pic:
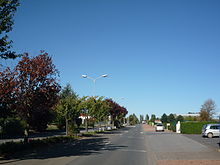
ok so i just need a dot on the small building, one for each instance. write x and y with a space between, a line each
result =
84 117
157 121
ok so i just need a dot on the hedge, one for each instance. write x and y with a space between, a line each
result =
192 127
12 127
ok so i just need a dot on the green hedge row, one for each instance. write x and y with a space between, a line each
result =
11 127
192 127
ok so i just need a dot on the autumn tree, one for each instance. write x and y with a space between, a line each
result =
7 11
8 86
117 112
207 110
37 90
203 115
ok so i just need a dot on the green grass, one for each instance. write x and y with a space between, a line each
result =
52 127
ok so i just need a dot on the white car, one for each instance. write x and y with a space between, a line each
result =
211 130
159 127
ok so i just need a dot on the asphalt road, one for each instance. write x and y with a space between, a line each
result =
124 146
211 142
139 145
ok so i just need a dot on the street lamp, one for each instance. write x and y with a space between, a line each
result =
94 79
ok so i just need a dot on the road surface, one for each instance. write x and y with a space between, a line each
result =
137 145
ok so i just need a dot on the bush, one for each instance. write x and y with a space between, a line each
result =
12 127
173 126
192 127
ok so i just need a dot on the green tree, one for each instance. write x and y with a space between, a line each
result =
97 108
69 108
7 11
180 118
164 118
60 117
171 118
133 119
141 118
153 118
146 117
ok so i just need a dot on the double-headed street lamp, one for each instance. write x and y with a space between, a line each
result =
94 80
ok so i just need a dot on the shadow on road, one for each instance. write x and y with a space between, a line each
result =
94 145
121 130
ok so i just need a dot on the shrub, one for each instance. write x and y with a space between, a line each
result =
173 126
192 127
12 127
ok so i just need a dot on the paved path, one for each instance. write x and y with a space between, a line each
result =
42 135
124 146
137 145
171 148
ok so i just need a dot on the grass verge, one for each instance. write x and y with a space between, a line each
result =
9 148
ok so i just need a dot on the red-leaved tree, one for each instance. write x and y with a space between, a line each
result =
37 90
116 111
7 92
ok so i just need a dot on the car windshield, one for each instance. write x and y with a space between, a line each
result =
204 127
159 124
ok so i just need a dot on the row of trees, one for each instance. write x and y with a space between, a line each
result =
31 93
99 109
206 114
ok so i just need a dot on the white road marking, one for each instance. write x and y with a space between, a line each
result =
133 150
131 137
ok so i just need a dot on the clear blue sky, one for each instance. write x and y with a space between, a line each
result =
161 56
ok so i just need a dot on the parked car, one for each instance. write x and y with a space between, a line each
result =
159 127
211 130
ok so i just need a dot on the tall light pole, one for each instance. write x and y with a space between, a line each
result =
94 80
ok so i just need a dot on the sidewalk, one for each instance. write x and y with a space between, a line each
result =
42 135
177 149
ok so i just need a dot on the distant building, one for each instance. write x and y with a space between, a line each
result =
157 121
189 114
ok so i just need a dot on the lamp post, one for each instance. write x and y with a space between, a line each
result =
94 80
